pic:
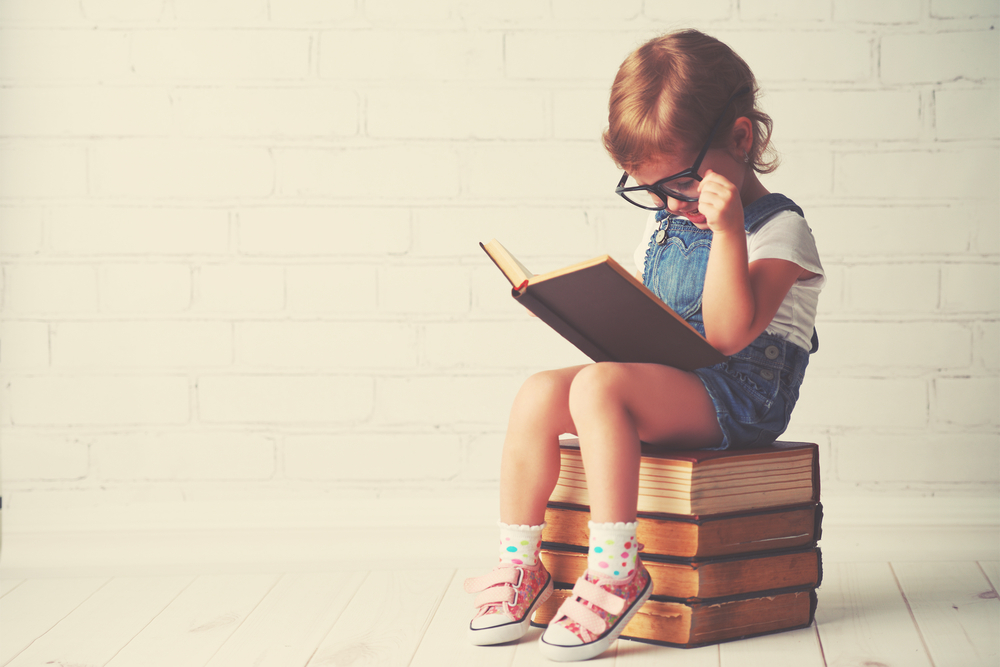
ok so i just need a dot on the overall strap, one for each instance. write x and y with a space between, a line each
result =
762 210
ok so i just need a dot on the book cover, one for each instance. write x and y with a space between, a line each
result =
606 312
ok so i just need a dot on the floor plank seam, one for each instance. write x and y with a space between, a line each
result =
913 617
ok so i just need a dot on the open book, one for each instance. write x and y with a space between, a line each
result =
606 312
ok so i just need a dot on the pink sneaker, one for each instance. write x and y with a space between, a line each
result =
508 596
594 615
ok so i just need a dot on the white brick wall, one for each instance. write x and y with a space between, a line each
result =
239 239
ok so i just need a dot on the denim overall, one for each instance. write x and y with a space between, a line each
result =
755 390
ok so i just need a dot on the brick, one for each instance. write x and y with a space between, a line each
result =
450 113
967 401
352 457
332 288
533 233
987 345
708 10
84 111
43 457
39 55
32 170
891 230
881 115
230 55
311 12
98 400
231 288
40 12
897 12
491 294
137 230
967 114
24 345
183 456
111 11
927 458
847 56
224 12
895 288
49 288
970 288
418 55
20 230
963 174
554 173
524 343
284 399
424 289
523 12
943 56
484 454
580 114
445 400
431 171
139 169
144 288
963 8
776 10
263 111
804 172
566 56
317 231
861 402
986 239
569 11
427 12
325 345
146 344
902 347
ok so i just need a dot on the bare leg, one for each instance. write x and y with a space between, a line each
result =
530 465
614 406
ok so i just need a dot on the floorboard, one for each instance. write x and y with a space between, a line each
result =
36 606
956 610
863 619
290 623
195 625
385 620
796 647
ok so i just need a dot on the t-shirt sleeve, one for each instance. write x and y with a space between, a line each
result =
788 237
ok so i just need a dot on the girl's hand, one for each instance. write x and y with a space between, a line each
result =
719 201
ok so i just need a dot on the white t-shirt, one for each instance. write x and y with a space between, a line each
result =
785 236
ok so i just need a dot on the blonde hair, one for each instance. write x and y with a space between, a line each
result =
670 91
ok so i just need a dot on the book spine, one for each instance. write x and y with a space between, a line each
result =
545 314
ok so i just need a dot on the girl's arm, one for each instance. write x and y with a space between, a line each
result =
739 299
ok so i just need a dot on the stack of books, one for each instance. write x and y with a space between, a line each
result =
729 539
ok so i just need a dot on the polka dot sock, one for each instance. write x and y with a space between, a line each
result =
519 545
613 549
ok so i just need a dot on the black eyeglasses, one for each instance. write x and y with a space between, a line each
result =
683 185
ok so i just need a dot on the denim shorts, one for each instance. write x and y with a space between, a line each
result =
755 390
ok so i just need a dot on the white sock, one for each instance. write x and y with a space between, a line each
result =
519 545
613 549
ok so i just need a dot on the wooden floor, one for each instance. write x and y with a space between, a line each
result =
943 614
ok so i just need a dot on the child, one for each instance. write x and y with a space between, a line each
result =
737 262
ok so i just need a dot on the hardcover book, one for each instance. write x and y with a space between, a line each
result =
705 482
606 312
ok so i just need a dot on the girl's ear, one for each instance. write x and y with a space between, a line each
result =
742 135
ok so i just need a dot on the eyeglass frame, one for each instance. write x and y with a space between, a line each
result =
657 188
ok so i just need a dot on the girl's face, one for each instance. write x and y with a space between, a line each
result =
718 160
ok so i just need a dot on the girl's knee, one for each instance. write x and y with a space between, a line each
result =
544 395
596 387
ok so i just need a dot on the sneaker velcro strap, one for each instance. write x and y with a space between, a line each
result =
598 596
500 575
495 595
584 615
